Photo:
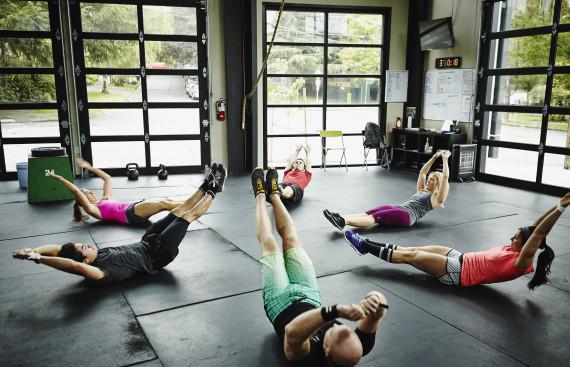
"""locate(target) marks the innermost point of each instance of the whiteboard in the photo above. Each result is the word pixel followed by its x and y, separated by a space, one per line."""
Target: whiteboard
pixel 396 86
pixel 449 95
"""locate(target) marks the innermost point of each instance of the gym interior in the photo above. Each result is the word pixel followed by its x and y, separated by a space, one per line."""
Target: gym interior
pixel 152 93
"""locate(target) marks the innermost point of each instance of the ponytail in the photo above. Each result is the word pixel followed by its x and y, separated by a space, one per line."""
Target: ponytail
pixel 77 214
pixel 542 267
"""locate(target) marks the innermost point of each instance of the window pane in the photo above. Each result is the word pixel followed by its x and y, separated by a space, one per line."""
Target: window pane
pixel 518 14
pixel 351 119
pixel 354 60
pixel 114 88
pixel 355 28
pixel 25 52
pixel 27 88
pixel 163 121
pixel 519 52
pixel 111 54
pixel 24 15
pixel 295 60
pixel 565 13
pixel 556 170
pixel 279 150
pixel 507 162
pixel 516 127
pixel 117 154
pixel 16 153
pixel 294 120
pixel 353 91
pixel 521 90
pixel 169 20
pixel 354 151
pixel 29 123
pixel 563 49
pixel 296 26
pixel 116 122
pixel 109 18
pixel 293 90
pixel 560 90
pixel 175 153
pixel 168 88
pixel 558 133
pixel 171 55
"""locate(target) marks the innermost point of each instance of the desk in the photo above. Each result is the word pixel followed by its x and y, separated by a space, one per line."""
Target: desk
pixel 408 147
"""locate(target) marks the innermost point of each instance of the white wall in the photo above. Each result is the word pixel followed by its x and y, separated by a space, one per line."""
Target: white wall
pixel 466 26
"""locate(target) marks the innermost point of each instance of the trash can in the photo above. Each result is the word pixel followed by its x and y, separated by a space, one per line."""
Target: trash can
pixel 22 169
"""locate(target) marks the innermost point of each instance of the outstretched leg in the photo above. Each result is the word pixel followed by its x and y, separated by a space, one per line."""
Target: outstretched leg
pixel 433 264
pixel 147 209
pixel 283 221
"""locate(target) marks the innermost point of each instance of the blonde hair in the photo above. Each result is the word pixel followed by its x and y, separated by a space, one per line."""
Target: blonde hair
pixel 439 177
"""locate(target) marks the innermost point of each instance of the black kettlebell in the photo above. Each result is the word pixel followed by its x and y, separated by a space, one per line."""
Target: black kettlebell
pixel 162 172
pixel 132 171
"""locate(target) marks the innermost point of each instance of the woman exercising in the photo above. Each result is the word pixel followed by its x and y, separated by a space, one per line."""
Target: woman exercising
pixel 107 209
pixel 497 264
pixel 431 194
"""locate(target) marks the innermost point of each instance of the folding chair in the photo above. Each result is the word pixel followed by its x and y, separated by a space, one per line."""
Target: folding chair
pixel 325 149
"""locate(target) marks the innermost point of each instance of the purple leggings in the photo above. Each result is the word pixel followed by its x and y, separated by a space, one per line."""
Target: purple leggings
pixel 391 216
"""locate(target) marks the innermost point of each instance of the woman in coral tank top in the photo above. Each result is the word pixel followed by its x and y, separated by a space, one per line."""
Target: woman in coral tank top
pixel 107 209
pixel 497 264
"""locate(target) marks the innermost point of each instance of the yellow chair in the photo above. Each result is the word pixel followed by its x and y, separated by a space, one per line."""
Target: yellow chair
pixel 332 134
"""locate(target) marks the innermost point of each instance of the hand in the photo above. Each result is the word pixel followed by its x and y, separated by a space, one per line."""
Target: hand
pixel 307 148
pixel 437 154
pixel 565 201
pixel 445 154
pixel 22 254
pixel 375 304
pixel 350 312
pixel 298 148
pixel 82 164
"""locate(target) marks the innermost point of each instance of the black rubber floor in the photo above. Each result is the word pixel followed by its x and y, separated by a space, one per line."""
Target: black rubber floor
pixel 205 309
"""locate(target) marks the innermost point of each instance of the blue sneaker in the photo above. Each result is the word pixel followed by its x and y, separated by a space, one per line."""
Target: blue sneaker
pixel 356 241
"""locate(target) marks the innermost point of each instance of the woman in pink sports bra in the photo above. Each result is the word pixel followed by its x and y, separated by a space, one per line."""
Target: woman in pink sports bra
pixel 107 209
pixel 498 264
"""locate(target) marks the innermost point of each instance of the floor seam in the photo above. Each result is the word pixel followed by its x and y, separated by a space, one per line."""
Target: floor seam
pixel 141 362
pixel 39 235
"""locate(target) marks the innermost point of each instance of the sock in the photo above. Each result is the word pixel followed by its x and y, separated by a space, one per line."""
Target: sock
pixel 382 252
pixel 211 193
pixel 387 245
pixel 204 186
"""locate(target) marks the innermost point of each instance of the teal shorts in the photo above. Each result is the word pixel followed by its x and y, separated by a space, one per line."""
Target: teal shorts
pixel 286 279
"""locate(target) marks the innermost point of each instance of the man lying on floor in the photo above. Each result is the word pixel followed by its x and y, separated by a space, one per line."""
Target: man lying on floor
pixel 157 248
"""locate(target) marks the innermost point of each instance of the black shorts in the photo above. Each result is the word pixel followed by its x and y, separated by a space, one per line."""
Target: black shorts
pixel 135 220
pixel 297 194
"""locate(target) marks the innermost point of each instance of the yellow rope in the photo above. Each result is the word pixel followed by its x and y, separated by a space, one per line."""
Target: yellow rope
pixel 263 66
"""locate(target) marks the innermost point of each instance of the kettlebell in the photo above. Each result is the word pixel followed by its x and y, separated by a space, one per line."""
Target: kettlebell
pixel 162 172
pixel 132 171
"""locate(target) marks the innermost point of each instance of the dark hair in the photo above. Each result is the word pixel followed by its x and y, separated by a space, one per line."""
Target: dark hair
pixel 544 261
pixel 77 214
pixel 69 251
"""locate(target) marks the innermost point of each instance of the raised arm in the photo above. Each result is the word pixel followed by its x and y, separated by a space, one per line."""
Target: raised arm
pixel 107 185
pixel 526 257
pixel 444 185
pixel 307 148
pixel 64 264
pixel 293 157
pixel 375 306
pixel 79 196
pixel 425 170
pixel 298 331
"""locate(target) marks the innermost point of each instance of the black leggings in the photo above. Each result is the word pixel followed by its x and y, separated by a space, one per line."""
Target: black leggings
pixel 164 237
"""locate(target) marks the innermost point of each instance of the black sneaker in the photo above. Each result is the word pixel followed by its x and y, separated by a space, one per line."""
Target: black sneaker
pixel 257 182
pixel 335 219
pixel 220 174
pixel 271 183
pixel 209 177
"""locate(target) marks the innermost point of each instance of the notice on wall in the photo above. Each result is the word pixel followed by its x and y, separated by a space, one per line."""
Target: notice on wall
pixel 449 95
pixel 396 86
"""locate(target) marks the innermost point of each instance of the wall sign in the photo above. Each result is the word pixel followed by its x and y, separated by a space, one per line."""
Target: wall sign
pixel 448 62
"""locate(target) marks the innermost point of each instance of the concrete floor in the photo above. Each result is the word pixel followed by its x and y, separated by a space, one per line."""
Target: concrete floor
pixel 205 308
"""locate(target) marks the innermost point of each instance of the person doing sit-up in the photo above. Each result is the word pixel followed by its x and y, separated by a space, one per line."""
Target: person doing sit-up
pixel 157 248
pixel 310 335
pixel 497 264
pixel 296 177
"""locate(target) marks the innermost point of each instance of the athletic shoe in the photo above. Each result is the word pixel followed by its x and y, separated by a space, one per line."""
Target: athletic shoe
pixel 220 177
pixel 356 241
pixel 335 219
pixel 209 177
pixel 271 183
pixel 257 182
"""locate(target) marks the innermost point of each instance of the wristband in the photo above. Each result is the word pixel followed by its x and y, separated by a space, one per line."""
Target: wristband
pixel 329 313
pixel 560 208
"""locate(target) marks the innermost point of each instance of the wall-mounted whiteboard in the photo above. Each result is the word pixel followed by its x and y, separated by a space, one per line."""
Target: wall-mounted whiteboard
pixel 449 95
pixel 396 86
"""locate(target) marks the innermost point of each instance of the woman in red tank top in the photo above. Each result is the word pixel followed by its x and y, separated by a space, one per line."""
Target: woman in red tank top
pixel 106 208
pixel 498 264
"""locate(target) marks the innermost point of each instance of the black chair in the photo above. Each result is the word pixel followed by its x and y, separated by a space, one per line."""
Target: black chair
pixel 372 138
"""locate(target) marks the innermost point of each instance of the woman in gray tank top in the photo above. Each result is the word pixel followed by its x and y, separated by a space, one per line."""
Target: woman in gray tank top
pixel 431 193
